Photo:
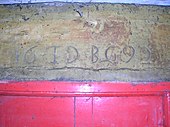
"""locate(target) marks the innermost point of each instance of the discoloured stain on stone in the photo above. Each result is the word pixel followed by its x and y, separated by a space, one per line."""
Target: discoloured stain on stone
pixel 160 40
pixel 101 42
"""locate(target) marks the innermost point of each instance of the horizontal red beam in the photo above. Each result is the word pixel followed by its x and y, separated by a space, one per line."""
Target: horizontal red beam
pixel 52 94
pixel 52 88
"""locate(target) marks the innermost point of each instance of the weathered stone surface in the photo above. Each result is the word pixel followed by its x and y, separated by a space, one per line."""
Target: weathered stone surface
pixel 84 42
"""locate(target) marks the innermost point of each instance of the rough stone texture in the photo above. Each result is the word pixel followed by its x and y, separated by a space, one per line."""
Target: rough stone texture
pixel 99 42
pixel 146 2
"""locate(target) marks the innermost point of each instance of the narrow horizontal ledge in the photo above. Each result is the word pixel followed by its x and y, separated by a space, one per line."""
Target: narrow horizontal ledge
pixel 82 94
pixel 83 89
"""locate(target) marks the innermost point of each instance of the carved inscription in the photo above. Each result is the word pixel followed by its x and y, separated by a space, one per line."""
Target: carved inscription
pixel 94 52
pixel 112 55
pixel 54 53
pixel 72 54
pixel 127 54
pixel 29 56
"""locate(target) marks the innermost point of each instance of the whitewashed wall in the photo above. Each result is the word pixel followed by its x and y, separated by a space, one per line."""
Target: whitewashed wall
pixel 149 2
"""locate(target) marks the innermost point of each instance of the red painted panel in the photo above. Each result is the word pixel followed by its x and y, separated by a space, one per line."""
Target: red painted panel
pixel 36 112
pixel 84 112
pixel 84 104
pixel 128 111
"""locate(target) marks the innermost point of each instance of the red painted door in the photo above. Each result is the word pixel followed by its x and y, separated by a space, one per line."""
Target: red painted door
pixel 84 104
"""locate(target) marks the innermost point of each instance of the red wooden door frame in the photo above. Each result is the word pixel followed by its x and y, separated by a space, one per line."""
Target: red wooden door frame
pixel 80 93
